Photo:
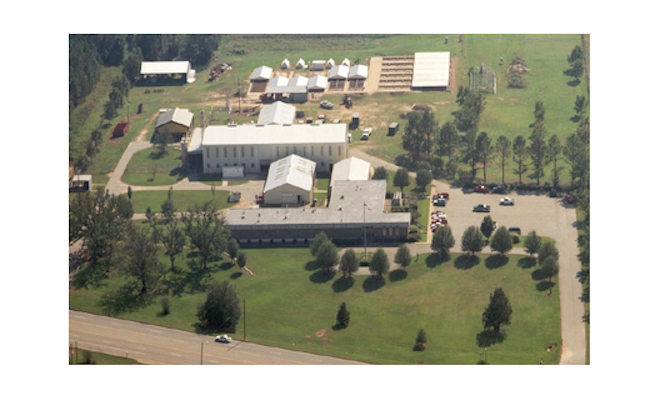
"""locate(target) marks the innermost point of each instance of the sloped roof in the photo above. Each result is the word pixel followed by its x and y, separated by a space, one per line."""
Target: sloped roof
pixel 279 81
pixel 301 63
pixel 317 82
pixel 285 63
pixel 180 116
pixel 298 80
pixel 262 73
pixel 277 113
pixel 350 169
pixel 431 69
pixel 339 72
pixel 293 170
pixel 358 71
pixel 345 62
pixel 247 134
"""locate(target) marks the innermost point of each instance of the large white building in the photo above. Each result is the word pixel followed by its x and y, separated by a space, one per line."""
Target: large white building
pixel 255 147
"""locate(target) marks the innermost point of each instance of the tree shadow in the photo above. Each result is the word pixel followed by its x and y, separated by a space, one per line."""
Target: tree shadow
pixel 156 155
pixel 236 275
pixel 126 299
pixel 89 276
pixel 537 275
pixel 321 276
pixel 527 262
pixel 311 266
pixel 496 261
pixel 544 286
pixel 573 82
pixel 338 327
pixel 373 283
pixel 435 259
pixel 466 261
pixel 342 284
pixel 225 266
pixel 397 275
pixel 488 338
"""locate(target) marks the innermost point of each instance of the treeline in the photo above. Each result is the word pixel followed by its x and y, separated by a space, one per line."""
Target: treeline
pixel 88 53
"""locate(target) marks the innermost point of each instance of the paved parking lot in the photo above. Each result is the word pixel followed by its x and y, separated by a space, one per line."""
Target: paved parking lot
pixel 531 211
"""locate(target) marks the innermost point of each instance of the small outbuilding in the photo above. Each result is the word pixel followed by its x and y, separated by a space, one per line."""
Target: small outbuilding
pixel 120 130
pixel 351 169
pixel 301 64
pixel 358 72
pixel 285 64
pixel 167 68
pixel 80 183
pixel 318 65
pixel 330 63
pixel 175 121
pixel 278 113
pixel 339 72
pixel 345 62
pixel 317 83
pixel 262 73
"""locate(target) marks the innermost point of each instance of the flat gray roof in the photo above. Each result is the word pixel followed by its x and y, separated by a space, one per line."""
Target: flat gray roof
pixel 346 208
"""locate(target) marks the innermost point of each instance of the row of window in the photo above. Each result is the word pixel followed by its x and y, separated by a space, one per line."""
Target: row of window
pixel 287 148
pixel 226 164
pixel 234 150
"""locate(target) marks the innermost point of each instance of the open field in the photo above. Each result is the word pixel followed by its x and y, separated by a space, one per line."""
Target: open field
pixel 446 300
pixel 183 199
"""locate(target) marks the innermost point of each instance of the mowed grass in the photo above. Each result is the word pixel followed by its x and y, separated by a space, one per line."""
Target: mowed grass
pixel 183 199
pixel 151 168
pixel 291 304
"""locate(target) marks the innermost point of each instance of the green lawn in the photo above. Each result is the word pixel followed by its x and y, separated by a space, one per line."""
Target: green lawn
pixel 183 199
pixel 150 168
pixel 79 356
pixel 291 304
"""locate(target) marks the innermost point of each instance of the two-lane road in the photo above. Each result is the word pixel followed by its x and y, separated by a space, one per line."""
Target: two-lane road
pixel 150 344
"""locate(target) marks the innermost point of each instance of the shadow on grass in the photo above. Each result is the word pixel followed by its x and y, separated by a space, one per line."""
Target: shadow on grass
pixel 488 338
pixel 397 275
pixel 544 286
pixel 126 299
pixel 496 261
pixel 342 284
pixel 373 283
pixel 338 327
pixel 89 276
pixel 465 261
pixel 194 279
pixel 526 263
pixel 236 275
pixel 435 259
pixel 311 266
pixel 225 266
pixel 321 276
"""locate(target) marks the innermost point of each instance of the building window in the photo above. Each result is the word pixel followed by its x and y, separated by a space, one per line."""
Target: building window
pixel 312 151
pixel 225 152
pixel 208 166
pixel 330 151
pixel 217 151
pixel 252 151
pixel 208 153
pixel 339 151
pixel 322 151
pixel 253 165
pixel 234 149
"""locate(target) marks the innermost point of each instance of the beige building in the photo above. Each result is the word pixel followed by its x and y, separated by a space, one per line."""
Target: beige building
pixel 175 121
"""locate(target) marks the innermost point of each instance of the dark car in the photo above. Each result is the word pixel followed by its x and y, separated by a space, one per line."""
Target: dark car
pixel 553 193
pixel 514 229
pixel 440 201
pixel 481 189
pixel 499 189
pixel 481 208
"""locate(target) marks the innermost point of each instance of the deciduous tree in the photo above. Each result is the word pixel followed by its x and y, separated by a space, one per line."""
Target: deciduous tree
pixel 349 264
pixel 343 316
pixel 403 256
pixel 503 150
pixel 379 264
pixel 442 241
pixel 501 241
pixel 472 240
pixel 498 312
pixel 532 243
pixel 140 258
pixel 221 309
pixel 401 179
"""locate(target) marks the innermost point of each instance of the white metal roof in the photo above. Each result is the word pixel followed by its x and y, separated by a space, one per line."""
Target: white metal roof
pixel 350 169
pixel 277 113
pixel 180 116
pixel 339 72
pixel 345 62
pixel 358 72
pixel 164 67
pixel 301 63
pixel 225 135
pixel 293 170
pixel 298 80
pixel 262 73
pixel 317 82
pixel 431 69
pixel 285 63
pixel 279 81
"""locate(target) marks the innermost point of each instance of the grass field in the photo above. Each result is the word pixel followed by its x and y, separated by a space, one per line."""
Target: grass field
pixel 183 199
pixel 291 304
pixel 150 168
pixel 80 356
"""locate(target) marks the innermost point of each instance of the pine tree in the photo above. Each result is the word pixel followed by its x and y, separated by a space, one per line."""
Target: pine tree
pixel 343 316
pixel 498 312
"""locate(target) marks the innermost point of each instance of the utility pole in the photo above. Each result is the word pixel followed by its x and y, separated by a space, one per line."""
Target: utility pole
pixel 365 243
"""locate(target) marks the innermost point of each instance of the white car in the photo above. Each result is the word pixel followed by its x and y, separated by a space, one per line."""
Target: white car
pixel 507 201
pixel 223 339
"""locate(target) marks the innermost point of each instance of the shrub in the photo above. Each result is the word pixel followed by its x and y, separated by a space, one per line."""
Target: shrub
pixel 166 306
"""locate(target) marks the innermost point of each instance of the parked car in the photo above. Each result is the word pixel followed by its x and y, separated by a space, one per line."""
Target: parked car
pixel 481 189
pixel 569 199
pixel 507 201
pixel 442 194
pixel 223 339
pixel 481 208
pixel 499 189
pixel 328 105
pixel 514 229
pixel 440 201
pixel 553 193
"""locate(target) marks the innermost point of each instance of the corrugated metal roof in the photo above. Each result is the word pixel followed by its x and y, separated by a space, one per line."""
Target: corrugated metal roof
pixel 262 73
pixel 358 71
pixel 431 69
pixel 317 82
pixel 292 170
pixel 164 67
pixel 277 113
pixel 350 169
pixel 180 116
pixel 339 72
pixel 224 135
